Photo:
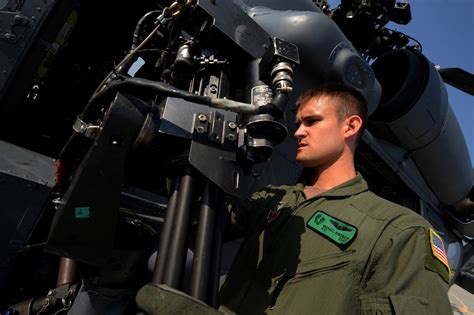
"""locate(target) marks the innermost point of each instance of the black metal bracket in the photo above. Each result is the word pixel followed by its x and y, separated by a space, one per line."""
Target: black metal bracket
pixel 215 136
pixel 86 219
pixel 214 141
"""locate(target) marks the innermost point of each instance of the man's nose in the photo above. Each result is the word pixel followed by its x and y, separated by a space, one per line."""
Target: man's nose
pixel 299 133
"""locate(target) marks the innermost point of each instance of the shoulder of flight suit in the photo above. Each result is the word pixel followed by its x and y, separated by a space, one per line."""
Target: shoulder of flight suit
pixel 244 212
pixel 394 215
pixel 403 276
pixel 389 216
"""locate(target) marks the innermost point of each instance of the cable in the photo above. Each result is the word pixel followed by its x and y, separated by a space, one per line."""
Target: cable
pixel 127 58
pixel 413 39
pixel 138 27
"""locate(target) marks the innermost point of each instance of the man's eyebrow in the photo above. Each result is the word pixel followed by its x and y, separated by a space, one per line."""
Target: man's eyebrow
pixel 310 116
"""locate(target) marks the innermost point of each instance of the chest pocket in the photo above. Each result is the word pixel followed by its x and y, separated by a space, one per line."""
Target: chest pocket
pixel 324 285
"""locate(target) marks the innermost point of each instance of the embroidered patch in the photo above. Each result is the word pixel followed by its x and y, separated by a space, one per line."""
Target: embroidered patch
pixel 274 213
pixel 438 249
pixel 337 231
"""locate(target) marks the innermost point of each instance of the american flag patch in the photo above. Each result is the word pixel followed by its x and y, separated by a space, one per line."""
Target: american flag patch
pixel 437 247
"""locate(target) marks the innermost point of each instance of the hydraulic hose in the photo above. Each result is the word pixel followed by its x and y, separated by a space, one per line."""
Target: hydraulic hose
pixel 136 85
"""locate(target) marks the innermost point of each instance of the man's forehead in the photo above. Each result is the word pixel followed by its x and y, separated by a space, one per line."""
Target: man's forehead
pixel 318 104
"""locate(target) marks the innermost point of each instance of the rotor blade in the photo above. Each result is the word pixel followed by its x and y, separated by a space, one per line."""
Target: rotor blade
pixel 458 78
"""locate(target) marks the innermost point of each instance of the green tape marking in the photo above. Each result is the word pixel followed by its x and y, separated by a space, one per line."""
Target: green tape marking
pixel 81 213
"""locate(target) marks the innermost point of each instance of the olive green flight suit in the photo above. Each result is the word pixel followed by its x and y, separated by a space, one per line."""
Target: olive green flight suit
pixel 285 267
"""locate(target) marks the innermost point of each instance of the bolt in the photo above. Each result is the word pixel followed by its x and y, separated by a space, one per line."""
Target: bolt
pixel 202 118
pixel 213 89
pixel 231 137
pixel 200 129
pixel 232 125
pixel 115 141
pixel 20 19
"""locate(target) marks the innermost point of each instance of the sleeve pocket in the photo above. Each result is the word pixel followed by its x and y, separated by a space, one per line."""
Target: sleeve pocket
pixel 404 304
pixel 395 304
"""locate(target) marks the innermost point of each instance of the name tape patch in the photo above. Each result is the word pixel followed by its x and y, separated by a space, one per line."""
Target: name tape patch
pixel 438 249
pixel 337 231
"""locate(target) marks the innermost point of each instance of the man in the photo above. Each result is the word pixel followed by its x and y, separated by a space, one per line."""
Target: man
pixel 331 246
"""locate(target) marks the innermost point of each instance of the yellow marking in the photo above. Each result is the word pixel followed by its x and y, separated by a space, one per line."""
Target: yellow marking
pixel 55 46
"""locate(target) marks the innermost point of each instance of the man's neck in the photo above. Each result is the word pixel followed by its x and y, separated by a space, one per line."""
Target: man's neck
pixel 333 175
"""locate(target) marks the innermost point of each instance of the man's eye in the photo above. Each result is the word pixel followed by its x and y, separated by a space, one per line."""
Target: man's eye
pixel 312 121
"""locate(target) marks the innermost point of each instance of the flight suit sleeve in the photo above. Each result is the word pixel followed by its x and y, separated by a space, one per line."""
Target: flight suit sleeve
pixel 243 213
pixel 404 277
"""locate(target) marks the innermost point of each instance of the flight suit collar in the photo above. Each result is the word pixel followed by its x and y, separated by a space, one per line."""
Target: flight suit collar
pixel 351 187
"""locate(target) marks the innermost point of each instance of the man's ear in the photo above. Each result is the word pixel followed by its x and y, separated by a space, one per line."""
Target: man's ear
pixel 352 126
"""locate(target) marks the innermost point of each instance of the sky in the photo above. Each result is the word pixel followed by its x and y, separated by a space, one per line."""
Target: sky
pixel 445 29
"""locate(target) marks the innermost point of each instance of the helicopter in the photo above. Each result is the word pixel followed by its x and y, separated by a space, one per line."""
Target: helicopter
pixel 177 105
